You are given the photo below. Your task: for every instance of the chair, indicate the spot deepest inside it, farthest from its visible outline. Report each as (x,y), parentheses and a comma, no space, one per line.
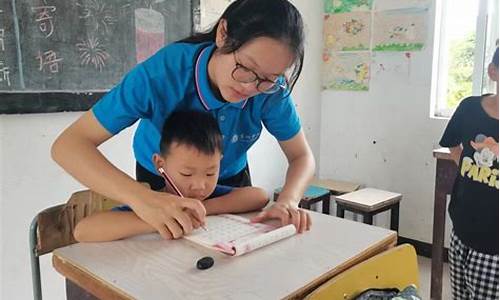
(394,268)
(53,228)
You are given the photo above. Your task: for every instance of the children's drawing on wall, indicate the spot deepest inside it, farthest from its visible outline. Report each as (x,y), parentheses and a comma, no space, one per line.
(399,4)
(343,6)
(347,32)
(344,71)
(400,30)
(393,64)
(210,11)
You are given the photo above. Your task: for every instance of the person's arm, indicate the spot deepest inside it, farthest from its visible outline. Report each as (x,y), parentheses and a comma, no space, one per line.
(76,151)
(455,153)
(239,200)
(301,167)
(300,171)
(110,226)
(452,135)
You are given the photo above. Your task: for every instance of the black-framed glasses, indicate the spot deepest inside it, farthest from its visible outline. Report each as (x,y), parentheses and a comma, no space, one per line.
(245,75)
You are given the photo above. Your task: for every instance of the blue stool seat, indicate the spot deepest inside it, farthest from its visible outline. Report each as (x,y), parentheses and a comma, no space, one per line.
(312,195)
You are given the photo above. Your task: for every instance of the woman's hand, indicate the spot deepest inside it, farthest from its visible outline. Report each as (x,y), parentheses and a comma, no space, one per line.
(170,215)
(300,170)
(288,213)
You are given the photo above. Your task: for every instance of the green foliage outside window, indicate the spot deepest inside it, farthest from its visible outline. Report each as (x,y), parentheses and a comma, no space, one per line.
(461,66)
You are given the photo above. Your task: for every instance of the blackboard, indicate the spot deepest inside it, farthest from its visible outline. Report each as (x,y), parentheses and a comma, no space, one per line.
(63,55)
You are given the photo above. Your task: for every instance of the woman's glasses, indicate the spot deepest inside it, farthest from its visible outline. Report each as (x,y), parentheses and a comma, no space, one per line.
(245,75)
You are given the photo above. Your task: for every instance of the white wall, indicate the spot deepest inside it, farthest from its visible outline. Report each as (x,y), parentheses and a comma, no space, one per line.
(384,138)
(307,95)
(30,181)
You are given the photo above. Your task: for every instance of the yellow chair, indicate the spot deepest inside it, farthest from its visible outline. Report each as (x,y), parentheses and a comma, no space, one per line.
(394,268)
(53,227)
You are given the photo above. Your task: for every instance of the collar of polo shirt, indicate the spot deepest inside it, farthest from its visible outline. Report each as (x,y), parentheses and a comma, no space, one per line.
(202,82)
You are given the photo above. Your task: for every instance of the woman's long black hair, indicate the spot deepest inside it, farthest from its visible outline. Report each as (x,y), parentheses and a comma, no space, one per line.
(250,19)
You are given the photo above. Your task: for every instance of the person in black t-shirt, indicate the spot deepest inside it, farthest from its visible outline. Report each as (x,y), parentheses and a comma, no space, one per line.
(472,136)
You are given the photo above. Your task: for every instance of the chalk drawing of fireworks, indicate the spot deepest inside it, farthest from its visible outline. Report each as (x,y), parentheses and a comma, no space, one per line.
(97,13)
(92,52)
(158,5)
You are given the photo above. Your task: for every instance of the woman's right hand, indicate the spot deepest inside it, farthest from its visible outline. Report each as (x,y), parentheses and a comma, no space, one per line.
(170,215)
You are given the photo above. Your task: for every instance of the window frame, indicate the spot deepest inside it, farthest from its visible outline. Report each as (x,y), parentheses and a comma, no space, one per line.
(486,31)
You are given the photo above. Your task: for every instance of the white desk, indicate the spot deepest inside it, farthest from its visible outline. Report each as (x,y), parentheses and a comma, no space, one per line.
(148,267)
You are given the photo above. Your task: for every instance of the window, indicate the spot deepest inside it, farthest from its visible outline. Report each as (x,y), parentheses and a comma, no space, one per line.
(466,37)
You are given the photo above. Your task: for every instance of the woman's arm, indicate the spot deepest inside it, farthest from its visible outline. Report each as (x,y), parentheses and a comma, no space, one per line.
(301,167)
(239,200)
(300,171)
(110,226)
(76,151)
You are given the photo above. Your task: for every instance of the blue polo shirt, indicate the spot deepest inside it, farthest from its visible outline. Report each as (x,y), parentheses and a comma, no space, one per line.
(176,78)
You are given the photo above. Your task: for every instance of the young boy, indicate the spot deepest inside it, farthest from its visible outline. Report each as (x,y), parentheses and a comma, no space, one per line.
(472,136)
(189,159)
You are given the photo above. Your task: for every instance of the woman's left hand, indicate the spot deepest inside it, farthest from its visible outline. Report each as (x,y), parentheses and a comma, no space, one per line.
(287,213)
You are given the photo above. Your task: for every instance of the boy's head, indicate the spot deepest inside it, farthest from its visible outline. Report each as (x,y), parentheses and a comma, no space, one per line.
(493,68)
(190,152)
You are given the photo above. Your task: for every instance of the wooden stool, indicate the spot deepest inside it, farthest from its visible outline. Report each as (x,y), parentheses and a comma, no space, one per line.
(336,187)
(369,202)
(312,195)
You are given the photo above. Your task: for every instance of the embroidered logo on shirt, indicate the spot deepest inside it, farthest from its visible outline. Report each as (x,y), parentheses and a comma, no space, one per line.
(246,138)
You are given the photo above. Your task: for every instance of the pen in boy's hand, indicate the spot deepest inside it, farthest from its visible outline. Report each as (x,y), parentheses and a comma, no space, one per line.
(198,220)
(169,181)
(204,228)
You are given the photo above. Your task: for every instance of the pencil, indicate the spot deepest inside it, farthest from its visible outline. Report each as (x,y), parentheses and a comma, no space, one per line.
(177,191)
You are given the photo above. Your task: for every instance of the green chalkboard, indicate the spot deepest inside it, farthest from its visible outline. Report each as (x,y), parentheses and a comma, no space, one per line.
(63,55)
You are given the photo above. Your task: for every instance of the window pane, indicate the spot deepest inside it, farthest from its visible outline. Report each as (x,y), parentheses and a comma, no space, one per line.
(460,22)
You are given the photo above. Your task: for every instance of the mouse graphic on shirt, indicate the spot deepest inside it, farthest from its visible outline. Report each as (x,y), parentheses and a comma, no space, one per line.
(480,168)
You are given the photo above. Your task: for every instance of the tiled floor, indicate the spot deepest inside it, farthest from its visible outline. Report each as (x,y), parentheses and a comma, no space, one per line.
(424,266)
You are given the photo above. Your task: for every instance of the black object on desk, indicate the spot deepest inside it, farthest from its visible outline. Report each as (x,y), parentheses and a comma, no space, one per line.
(205,263)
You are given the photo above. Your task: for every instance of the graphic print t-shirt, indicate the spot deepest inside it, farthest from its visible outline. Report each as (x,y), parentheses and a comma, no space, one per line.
(474,200)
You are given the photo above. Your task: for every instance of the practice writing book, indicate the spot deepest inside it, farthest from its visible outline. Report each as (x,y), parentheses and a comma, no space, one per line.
(235,235)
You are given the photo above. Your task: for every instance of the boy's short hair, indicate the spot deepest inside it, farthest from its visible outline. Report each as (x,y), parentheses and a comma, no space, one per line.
(191,128)
(494,60)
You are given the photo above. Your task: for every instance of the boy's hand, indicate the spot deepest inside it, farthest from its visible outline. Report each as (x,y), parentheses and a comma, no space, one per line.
(170,215)
(287,213)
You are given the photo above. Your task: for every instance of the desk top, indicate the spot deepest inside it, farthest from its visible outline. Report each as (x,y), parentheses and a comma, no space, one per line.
(147,267)
(369,198)
(442,153)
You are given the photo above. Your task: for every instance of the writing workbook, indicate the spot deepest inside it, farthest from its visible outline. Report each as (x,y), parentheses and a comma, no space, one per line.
(236,235)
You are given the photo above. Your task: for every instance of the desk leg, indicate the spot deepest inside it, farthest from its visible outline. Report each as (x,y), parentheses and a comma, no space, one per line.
(368,218)
(395,217)
(74,292)
(326,204)
(445,175)
(305,204)
(340,211)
